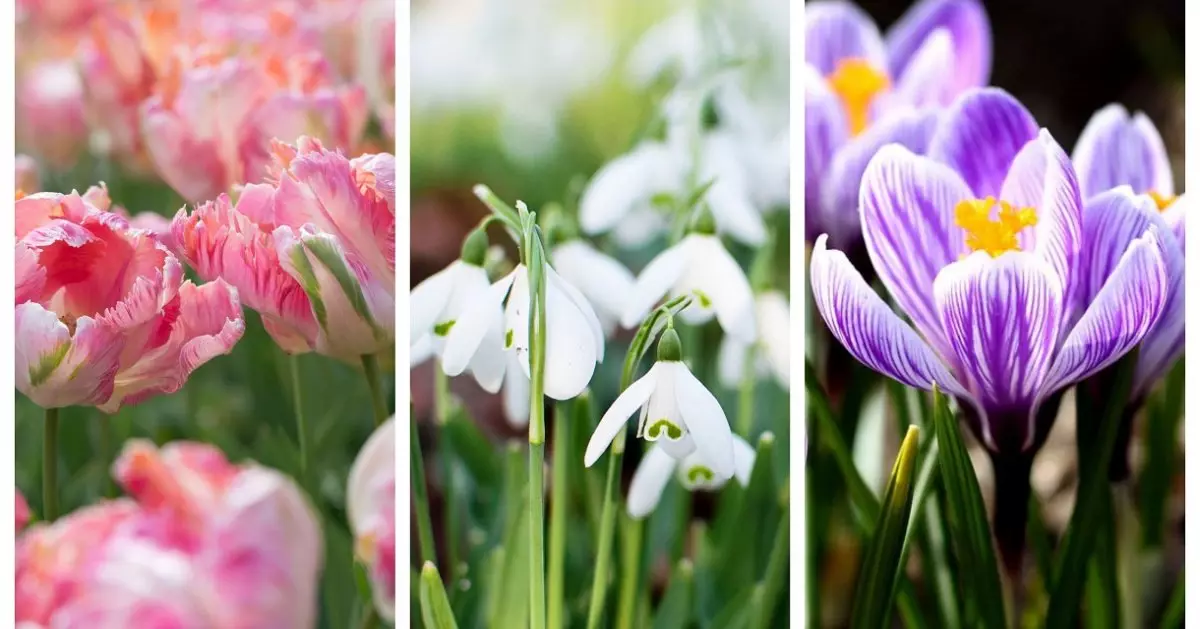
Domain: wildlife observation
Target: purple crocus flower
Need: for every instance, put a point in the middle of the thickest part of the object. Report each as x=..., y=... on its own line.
x=864, y=90
x=1118, y=154
x=981, y=245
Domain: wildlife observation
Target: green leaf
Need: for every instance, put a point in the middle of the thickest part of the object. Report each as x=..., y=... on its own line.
x=435, y=607
x=675, y=610
x=1086, y=519
x=472, y=447
x=1162, y=458
x=1173, y=617
x=969, y=531
x=884, y=558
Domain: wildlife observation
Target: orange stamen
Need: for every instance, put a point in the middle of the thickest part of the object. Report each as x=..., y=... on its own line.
x=995, y=236
x=857, y=83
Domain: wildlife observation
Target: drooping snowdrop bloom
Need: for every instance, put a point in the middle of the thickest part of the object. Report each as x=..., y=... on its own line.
x=863, y=90
x=772, y=349
x=678, y=414
x=1118, y=150
x=574, y=340
x=989, y=282
x=103, y=315
x=699, y=266
x=201, y=543
x=371, y=509
x=312, y=250
x=605, y=282
x=658, y=466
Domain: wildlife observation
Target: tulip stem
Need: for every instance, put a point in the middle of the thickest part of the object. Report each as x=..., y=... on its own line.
x=746, y=393
x=558, y=516
x=298, y=409
x=50, y=466
x=378, y=404
x=420, y=495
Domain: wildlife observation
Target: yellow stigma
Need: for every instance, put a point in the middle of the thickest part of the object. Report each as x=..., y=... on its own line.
x=1162, y=201
x=857, y=83
x=995, y=236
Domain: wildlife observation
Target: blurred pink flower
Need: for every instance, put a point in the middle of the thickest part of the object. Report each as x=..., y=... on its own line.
x=22, y=511
x=202, y=544
x=27, y=177
x=313, y=250
x=371, y=508
x=103, y=315
x=376, y=65
x=50, y=111
x=58, y=15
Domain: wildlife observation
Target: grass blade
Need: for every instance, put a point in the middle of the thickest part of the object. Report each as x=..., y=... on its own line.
x=435, y=607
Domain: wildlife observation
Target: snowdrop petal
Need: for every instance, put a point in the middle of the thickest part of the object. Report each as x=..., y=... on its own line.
x=743, y=460
x=774, y=320
x=604, y=281
x=627, y=183
x=515, y=393
x=428, y=299
x=653, y=472
x=571, y=342
x=630, y=400
x=726, y=285
x=731, y=360
x=582, y=304
x=704, y=418
x=655, y=280
x=470, y=329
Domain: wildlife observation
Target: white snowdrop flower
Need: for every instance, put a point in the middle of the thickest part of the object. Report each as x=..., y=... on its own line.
x=626, y=186
x=698, y=265
x=657, y=467
x=677, y=412
x=731, y=198
x=515, y=393
x=772, y=350
x=441, y=300
x=574, y=340
x=605, y=282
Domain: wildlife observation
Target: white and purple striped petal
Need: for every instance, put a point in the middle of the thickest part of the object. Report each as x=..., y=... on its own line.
x=1176, y=217
x=969, y=30
x=1116, y=149
x=1001, y=316
x=868, y=328
x=928, y=79
x=980, y=135
x=835, y=30
x=825, y=131
x=907, y=208
x=1118, y=318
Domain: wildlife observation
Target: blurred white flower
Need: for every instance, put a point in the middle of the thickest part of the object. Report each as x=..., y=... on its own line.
x=657, y=467
x=604, y=281
x=772, y=350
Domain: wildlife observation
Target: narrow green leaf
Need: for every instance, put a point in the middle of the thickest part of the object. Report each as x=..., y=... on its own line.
x=472, y=447
x=435, y=607
x=883, y=562
x=1077, y=549
x=1161, y=436
x=1173, y=617
x=969, y=530
x=675, y=610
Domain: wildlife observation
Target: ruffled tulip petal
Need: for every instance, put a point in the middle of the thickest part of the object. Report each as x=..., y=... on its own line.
x=704, y=418
x=980, y=135
x=968, y=26
x=376, y=458
x=1118, y=318
x=869, y=330
x=469, y=331
x=1116, y=149
x=1001, y=318
x=190, y=165
x=30, y=275
x=655, y=280
x=649, y=480
x=825, y=130
x=627, y=183
x=56, y=367
x=835, y=30
x=907, y=208
x=630, y=400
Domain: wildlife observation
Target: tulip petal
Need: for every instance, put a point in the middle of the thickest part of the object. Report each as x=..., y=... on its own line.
x=825, y=130
x=968, y=26
x=1001, y=318
x=469, y=331
x=649, y=480
x=869, y=330
x=191, y=165
x=836, y=30
x=376, y=459
x=704, y=418
x=907, y=207
x=743, y=460
x=1116, y=149
x=655, y=280
x=980, y=135
x=627, y=183
x=1118, y=318
x=630, y=400
x=30, y=276
x=56, y=368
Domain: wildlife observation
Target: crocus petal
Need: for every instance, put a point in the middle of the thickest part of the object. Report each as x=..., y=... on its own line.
x=967, y=23
x=630, y=400
x=627, y=183
x=980, y=135
x=655, y=280
x=836, y=30
x=571, y=341
x=928, y=79
x=825, y=130
x=515, y=392
x=868, y=329
x=471, y=328
x=649, y=480
x=56, y=368
x=743, y=460
x=1176, y=217
x=704, y=418
x=428, y=300
x=1117, y=319
x=1042, y=178
x=1116, y=149
x=604, y=281
x=907, y=208
x=1001, y=318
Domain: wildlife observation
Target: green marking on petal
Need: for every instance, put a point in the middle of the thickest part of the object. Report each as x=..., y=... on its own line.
x=700, y=474
x=508, y=339
x=443, y=329
x=705, y=301
x=48, y=362
x=310, y=284
x=674, y=432
x=323, y=249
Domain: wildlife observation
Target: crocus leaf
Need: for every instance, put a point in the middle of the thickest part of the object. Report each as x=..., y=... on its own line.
x=435, y=607
x=970, y=534
x=884, y=558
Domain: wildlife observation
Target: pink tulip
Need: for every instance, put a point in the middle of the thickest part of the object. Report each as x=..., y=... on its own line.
x=371, y=508
x=203, y=544
x=50, y=112
x=57, y=15
x=27, y=177
x=22, y=511
x=103, y=315
x=376, y=65
x=313, y=250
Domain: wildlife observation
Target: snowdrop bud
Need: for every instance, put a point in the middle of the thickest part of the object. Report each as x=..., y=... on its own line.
x=669, y=347
x=475, y=247
x=703, y=223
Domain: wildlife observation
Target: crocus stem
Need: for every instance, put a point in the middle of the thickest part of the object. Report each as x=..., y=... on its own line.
x=558, y=517
x=50, y=466
x=631, y=561
x=298, y=409
x=746, y=393
x=1011, y=517
x=420, y=496
x=378, y=404
x=608, y=520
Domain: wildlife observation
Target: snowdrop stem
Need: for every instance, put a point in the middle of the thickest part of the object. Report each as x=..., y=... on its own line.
x=420, y=495
x=608, y=517
x=298, y=409
x=558, y=515
x=533, y=252
x=631, y=561
x=50, y=466
x=371, y=372
x=746, y=392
